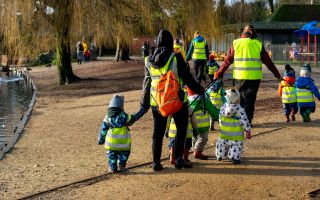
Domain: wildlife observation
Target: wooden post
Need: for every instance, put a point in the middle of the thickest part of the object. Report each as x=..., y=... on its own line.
x=315, y=51
x=308, y=47
x=301, y=52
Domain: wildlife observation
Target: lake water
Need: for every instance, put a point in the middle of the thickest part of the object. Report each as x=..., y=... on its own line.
x=15, y=95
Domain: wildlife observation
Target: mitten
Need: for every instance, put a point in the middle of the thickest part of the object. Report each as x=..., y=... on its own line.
x=248, y=135
x=101, y=139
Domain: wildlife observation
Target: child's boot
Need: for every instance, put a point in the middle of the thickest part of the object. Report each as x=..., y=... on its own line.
x=212, y=126
x=287, y=118
x=307, y=115
x=172, y=160
x=200, y=155
x=292, y=114
x=186, y=155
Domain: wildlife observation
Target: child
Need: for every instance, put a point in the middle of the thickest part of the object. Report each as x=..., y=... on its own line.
x=116, y=134
x=217, y=99
x=233, y=122
x=306, y=89
x=212, y=67
x=287, y=91
x=201, y=108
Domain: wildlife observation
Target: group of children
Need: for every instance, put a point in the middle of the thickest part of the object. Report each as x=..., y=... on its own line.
x=298, y=94
x=215, y=105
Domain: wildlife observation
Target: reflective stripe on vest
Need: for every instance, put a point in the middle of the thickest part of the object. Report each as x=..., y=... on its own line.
x=199, y=50
x=289, y=95
x=216, y=99
x=118, y=139
x=247, y=63
x=212, y=69
x=156, y=74
x=304, y=96
x=173, y=129
x=231, y=129
x=203, y=119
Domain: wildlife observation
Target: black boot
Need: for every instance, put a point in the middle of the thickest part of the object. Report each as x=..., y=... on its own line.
x=180, y=163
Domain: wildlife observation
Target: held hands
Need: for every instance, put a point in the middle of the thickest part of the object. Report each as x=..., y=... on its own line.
x=248, y=135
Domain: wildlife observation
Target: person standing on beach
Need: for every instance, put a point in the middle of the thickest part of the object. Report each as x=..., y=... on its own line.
x=247, y=55
x=199, y=52
x=155, y=64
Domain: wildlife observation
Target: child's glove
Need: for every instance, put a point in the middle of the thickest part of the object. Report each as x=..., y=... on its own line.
x=248, y=135
x=101, y=139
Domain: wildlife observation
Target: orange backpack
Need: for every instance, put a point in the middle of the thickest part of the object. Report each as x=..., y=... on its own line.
x=167, y=93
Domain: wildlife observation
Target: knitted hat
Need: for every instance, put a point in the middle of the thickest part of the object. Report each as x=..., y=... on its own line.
x=232, y=96
x=116, y=101
x=211, y=57
x=289, y=71
x=305, y=70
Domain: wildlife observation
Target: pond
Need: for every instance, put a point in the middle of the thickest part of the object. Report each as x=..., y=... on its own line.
x=15, y=95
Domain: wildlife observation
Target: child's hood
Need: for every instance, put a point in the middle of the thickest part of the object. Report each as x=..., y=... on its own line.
x=229, y=110
x=116, y=118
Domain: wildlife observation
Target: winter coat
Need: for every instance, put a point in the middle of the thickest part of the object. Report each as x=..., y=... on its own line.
x=307, y=83
x=158, y=59
x=199, y=38
x=235, y=110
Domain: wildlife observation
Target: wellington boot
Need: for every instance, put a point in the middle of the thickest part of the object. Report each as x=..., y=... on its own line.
x=306, y=116
x=292, y=115
x=200, y=155
x=186, y=155
x=287, y=119
x=171, y=156
x=182, y=164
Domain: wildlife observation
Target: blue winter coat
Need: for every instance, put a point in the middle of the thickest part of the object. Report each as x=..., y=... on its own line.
x=307, y=83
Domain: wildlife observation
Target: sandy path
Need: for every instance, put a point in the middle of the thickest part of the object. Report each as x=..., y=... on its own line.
x=59, y=147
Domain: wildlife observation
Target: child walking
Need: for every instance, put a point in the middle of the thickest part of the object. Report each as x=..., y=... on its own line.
x=233, y=122
x=116, y=134
x=306, y=89
x=287, y=91
x=202, y=109
x=212, y=67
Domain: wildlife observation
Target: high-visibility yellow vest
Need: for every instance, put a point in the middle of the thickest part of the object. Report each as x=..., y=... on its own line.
x=199, y=50
x=179, y=49
x=212, y=69
x=304, y=96
x=216, y=98
x=288, y=94
x=173, y=129
x=156, y=74
x=118, y=139
x=247, y=63
x=203, y=121
x=231, y=128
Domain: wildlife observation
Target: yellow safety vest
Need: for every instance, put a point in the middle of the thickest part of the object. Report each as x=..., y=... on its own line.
x=173, y=129
x=231, y=129
x=304, y=96
x=203, y=121
x=118, y=139
x=156, y=74
x=179, y=49
x=289, y=94
x=247, y=63
x=199, y=50
x=212, y=69
x=216, y=98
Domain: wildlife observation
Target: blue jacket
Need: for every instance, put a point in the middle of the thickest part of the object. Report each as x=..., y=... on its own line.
x=307, y=83
x=199, y=38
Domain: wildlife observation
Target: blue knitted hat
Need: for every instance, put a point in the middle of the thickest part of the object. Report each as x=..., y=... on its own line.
x=116, y=101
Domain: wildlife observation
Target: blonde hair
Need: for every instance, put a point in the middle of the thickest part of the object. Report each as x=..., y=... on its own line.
x=196, y=34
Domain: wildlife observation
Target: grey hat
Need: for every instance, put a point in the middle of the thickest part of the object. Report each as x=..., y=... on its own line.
x=305, y=70
x=117, y=101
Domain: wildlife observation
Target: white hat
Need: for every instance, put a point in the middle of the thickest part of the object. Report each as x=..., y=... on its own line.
x=116, y=101
x=232, y=96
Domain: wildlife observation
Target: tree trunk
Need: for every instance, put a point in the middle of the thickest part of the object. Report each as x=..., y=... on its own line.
x=63, y=56
x=122, y=52
x=271, y=5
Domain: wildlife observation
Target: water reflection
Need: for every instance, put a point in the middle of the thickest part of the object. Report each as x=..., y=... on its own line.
x=15, y=96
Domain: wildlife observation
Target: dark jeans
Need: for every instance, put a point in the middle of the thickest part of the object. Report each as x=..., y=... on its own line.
x=199, y=66
x=159, y=128
x=288, y=107
x=248, y=94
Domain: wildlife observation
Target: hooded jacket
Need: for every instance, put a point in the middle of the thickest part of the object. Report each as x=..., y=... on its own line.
x=158, y=59
x=235, y=110
x=307, y=83
x=199, y=38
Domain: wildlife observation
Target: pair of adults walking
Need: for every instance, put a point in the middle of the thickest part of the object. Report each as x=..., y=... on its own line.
x=247, y=55
x=157, y=64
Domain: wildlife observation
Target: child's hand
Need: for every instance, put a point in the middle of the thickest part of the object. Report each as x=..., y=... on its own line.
x=248, y=135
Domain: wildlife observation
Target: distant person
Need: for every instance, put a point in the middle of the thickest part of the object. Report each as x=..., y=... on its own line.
x=287, y=92
x=86, y=50
x=155, y=65
x=199, y=52
x=233, y=123
x=306, y=89
x=145, y=49
x=247, y=55
x=178, y=48
x=80, y=56
x=212, y=67
x=115, y=133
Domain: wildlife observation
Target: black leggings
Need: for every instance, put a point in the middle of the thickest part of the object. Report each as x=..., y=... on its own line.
x=159, y=128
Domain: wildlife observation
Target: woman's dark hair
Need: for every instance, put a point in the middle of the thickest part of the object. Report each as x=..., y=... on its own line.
x=251, y=29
